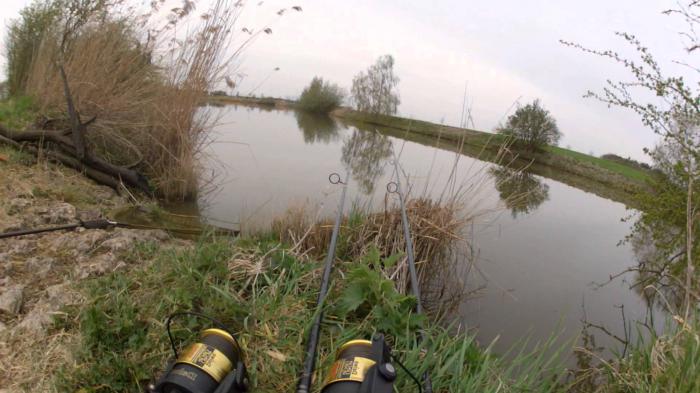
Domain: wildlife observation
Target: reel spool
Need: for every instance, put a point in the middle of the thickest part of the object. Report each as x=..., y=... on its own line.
x=213, y=364
x=361, y=366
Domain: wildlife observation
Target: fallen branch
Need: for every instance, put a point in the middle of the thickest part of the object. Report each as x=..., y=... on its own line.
x=97, y=169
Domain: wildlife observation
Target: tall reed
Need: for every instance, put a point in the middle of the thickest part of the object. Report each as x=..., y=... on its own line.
x=143, y=81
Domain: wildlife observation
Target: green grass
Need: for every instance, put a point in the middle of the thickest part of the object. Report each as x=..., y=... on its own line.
x=17, y=112
x=627, y=171
x=267, y=295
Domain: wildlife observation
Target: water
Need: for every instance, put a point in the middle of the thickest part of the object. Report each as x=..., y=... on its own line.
x=538, y=258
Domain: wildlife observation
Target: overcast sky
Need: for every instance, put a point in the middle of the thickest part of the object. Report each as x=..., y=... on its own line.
x=501, y=50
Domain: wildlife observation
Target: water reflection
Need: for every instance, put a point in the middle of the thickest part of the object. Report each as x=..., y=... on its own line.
x=365, y=154
x=659, y=270
x=317, y=128
x=521, y=191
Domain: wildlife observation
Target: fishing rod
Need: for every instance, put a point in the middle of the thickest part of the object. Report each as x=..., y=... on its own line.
x=304, y=384
x=108, y=224
x=395, y=188
x=89, y=224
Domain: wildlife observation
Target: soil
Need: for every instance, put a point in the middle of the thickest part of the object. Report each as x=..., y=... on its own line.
x=40, y=275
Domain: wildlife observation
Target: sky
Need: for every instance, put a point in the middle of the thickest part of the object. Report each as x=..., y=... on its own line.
x=500, y=51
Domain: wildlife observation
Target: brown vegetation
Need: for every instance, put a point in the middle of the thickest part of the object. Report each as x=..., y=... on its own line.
x=436, y=229
x=142, y=83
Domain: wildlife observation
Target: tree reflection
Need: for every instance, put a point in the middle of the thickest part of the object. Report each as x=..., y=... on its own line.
x=521, y=191
x=364, y=154
x=317, y=127
x=660, y=270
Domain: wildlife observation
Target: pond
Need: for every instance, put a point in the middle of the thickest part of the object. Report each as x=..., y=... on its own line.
x=538, y=258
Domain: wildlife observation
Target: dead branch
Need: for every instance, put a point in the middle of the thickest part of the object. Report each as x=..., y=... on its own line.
x=95, y=167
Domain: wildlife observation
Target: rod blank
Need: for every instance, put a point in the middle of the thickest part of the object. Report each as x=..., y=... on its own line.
x=304, y=384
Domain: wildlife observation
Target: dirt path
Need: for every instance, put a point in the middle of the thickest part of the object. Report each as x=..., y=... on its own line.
x=40, y=274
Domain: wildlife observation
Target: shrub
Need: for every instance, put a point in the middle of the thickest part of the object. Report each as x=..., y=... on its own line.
x=320, y=96
x=532, y=126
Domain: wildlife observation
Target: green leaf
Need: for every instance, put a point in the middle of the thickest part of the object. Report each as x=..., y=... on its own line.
x=391, y=260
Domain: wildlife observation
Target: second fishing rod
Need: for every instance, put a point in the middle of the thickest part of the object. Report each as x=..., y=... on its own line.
x=395, y=187
x=361, y=366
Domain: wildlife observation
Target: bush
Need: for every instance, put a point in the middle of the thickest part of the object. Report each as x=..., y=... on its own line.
x=321, y=97
x=532, y=126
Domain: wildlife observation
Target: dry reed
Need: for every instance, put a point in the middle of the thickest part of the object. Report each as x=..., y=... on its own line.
x=145, y=92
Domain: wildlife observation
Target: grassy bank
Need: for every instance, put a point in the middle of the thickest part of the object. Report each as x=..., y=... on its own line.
x=266, y=292
x=610, y=173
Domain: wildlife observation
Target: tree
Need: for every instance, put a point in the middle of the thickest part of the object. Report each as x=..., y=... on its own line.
x=670, y=107
x=320, y=96
x=375, y=91
x=532, y=126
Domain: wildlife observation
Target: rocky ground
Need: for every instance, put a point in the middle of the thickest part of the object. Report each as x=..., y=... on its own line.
x=40, y=275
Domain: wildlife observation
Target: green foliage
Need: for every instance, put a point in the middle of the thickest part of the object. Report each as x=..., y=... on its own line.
x=376, y=90
x=532, y=126
x=17, y=112
x=320, y=96
x=24, y=36
x=367, y=294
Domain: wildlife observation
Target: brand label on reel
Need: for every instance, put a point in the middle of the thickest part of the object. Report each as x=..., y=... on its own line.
x=353, y=369
x=208, y=359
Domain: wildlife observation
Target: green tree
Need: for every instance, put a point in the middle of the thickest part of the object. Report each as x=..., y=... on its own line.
x=532, y=126
x=375, y=90
x=320, y=96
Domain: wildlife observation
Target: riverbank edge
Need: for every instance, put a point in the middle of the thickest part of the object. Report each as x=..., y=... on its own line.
x=621, y=184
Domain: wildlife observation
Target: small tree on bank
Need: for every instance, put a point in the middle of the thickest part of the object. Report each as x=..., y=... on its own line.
x=532, y=126
x=321, y=97
x=375, y=91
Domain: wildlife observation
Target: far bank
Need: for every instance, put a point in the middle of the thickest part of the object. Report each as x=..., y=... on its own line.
x=603, y=177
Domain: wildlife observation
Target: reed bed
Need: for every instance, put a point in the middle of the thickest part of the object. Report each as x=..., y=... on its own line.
x=436, y=228
x=143, y=74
